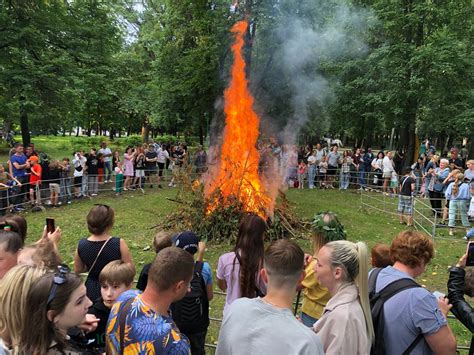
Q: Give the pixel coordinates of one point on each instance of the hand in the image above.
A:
(89, 323)
(462, 261)
(54, 237)
(444, 306)
(201, 247)
(19, 184)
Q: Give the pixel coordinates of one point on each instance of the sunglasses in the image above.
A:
(58, 279)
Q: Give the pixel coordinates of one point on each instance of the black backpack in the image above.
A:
(377, 300)
(191, 314)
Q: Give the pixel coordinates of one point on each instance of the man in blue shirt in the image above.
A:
(19, 165)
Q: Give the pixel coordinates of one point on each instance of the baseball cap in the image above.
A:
(186, 240)
(33, 158)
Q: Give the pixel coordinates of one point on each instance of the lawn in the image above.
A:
(137, 214)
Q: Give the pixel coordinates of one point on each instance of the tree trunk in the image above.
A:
(201, 132)
(112, 134)
(77, 131)
(145, 131)
(25, 130)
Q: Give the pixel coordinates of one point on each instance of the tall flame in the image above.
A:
(237, 174)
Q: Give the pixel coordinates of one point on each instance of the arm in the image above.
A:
(221, 284)
(210, 292)
(78, 264)
(442, 342)
(126, 257)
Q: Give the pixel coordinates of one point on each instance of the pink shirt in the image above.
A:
(228, 269)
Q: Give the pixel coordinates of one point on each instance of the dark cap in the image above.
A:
(186, 240)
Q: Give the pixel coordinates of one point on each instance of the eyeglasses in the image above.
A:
(58, 279)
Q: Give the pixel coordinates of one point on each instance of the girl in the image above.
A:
(301, 174)
(394, 183)
(238, 271)
(55, 303)
(323, 169)
(341, 267)
(458, 195)
(326, 228)
(140, 163)
(118, 178)
(93, 253)
(129, 158)
(345, 173)
(13, 291)
(377, 166)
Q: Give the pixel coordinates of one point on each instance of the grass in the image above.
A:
(137, 214)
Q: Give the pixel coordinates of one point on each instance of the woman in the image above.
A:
(342, 268)
(458, 196)
(430, 165)
(388, 167)
(460, 283)
(437, 186)
(238, 271)
(129, 173)
(377, 166)
(140, 165)
(56, 302)
(13, 291)
(326, 228)
(469, 172)
(100, 248)
(10, 245)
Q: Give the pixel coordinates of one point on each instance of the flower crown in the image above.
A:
(332, 231)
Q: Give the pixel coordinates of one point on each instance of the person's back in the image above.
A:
(251, 325)
(267, 325)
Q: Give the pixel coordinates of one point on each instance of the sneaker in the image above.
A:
(93, 194)
(174, 185)
(451, 232)
(170, 184)
(69, 202)
(159, 186)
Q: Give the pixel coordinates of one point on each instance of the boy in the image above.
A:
(405, 201)
(66, 194)
(162, 240)
(6, 181)
(35, 180)
(191, 314)
(115, 278)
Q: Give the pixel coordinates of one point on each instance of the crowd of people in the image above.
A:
(34, 179)
(45, 308)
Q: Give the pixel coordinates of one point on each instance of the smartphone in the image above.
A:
(470, 254)
(50, 227)
(438, 294)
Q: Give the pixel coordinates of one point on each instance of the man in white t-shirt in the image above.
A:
(107, 158)
(388, 168)
(79, 163)
(163, 155)
(267, 325)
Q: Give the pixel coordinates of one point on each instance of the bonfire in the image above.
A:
(235, 184)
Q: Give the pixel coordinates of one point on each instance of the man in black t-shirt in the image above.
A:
(151, 157)
(455, 162)
(405, 202)
(92, 165)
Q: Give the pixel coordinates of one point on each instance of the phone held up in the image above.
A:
(470, 254)
(50, 227)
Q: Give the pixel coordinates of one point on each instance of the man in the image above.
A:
(333, 163)
(455, 162)
(141, 321)
(162, 158)
(151, 157)
(405, 200)
(19, 169)
(107, 158)
(388, 168)
(267, 325)
(414, 311)
(92, 165)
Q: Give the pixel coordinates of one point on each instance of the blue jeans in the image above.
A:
(107, 171)
(311, 175)
(362, 179)
(344, 181)
(66, 195)
(462, 206)
(308, 320)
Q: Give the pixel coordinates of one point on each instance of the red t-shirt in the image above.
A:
(35, 180)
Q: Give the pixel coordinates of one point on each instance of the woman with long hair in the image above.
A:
(129, 158)
(238, 271)
(56, 302)
(325, 228)
(458, 196)
(342, 268)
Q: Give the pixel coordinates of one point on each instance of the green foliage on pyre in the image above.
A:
(221, 225)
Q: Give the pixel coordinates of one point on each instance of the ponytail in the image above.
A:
(362, 283)
(354, 260)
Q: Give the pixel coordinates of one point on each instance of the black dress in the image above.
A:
(88, 251)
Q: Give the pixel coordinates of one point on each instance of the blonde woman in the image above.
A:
(326, 228)
(458, 196)
(346, 325)
(13, 290)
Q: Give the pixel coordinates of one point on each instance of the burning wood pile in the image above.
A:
(236, 184)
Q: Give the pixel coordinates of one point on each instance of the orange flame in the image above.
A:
(237, 174)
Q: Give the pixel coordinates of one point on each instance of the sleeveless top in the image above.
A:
(88, 251)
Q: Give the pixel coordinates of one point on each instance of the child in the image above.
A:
(118, 178)
(301, 174)
(381, 255)
(323, 169)
(191, 314)
(35, 180)
(6, 181)
(66, 195)
(394, 182)
(458, 195)
(325, 228)
(345, 172)
(405, 200)
(470, 213)
(162, 240)
(115, 278)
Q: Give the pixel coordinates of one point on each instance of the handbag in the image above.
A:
(97, 257)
